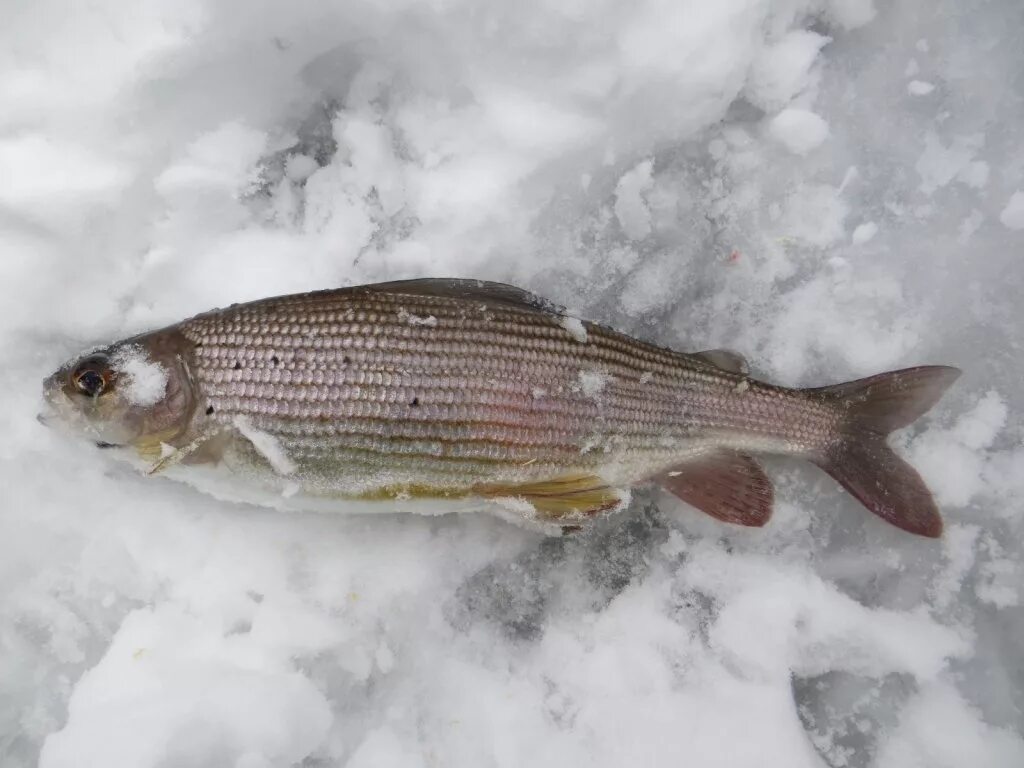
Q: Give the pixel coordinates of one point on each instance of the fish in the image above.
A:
(452, 389)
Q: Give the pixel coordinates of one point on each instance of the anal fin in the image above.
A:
(562, 497)
(727, 485)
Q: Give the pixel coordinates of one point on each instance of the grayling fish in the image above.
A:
(453, 389)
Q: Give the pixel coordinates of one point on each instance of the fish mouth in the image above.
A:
(48, 420)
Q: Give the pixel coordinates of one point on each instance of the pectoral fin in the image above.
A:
(569, 496)
(727, 485)
(190, 450)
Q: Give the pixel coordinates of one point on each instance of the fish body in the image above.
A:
(452, 389)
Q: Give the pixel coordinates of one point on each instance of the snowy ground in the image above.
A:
(829, 187)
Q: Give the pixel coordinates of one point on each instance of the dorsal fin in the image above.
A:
(727, 360)
(727, 485)
(488, 292)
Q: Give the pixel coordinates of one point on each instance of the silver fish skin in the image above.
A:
(460, 388)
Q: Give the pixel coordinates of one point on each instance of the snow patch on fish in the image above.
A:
(592, 383)
(266, 444)
(408, 317)
(140, 380)
(575, 328)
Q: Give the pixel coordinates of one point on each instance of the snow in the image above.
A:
(427, 321)
(630, 207)
(919, 88)
(798, 130)
(864, 232)
(268, 446)
(141, 381)
(575, 328)
(592, 383)
(747, 174)
(1012, 216)
(783, 69)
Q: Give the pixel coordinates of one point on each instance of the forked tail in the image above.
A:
(862, 460)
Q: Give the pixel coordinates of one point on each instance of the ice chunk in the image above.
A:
(783, 70)
(575, 327)
(798, 130)
(172, 689)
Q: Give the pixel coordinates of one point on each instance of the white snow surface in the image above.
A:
(1012, 215)
(798, 130)
(161, 158)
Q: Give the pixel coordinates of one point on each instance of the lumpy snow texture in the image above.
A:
(763, 175)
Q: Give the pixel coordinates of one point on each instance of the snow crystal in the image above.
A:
(798, 130)
(575, 328)
(919, 88)
(1012, 216)
(140, 380)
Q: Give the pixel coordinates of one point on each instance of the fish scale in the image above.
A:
(354, 370)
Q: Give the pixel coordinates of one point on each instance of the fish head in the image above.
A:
(138, 392)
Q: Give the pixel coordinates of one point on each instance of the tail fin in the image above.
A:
(862, 461)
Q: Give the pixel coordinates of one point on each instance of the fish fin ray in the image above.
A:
(885, 484)
(861, 460)
(561, 497)
(726, 359)
(727, 485)
(889, 401)
(182, 453)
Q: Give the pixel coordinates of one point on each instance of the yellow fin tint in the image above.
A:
(568, 496)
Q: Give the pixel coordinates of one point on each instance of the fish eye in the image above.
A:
(91, 378)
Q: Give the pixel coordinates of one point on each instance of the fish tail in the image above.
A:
(862, 461)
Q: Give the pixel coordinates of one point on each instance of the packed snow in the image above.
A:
(830, 187)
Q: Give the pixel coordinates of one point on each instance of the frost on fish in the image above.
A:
(140, 380)
(427, 321)
(575, 328)
(592, 383)
(268, 446)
